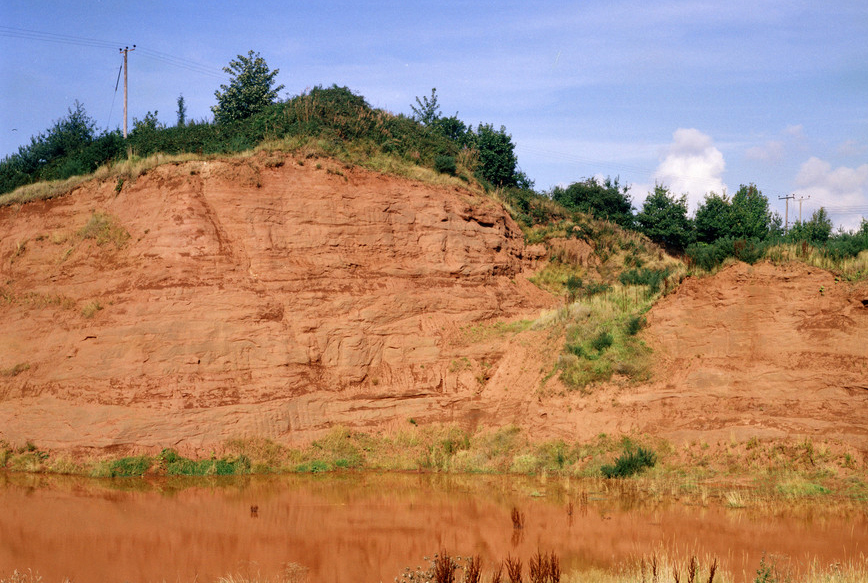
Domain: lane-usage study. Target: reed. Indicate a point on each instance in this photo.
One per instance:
(544, 568)
(517, 518)
(513, 569)
(473, 570)
(444, 568)
(497, 576)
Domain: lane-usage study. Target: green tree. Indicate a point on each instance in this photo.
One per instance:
(428, 110)
(816, 231)
(605, 200)
(664, 219)
(249, 91)
(182, 111)
(452, 128)
(751, 217)
(713, 218)
(64, 150)
(497, 159)
(150, 123)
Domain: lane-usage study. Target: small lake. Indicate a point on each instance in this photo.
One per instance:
(368, 527)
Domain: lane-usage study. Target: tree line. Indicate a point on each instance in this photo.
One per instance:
(741, 226)
(248, 112)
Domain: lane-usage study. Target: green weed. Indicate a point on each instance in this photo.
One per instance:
(130, 466)
(631, 461)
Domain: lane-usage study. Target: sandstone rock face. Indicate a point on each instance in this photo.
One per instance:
(754, 351)
(278, 297)
(254, 296)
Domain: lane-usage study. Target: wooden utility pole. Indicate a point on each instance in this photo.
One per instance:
(126, 50)
(787, 211)
(801, 198)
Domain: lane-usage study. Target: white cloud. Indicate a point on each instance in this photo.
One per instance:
(792, 138)
(843, 191)
(852, 148)
(771, 151)
(693, 166)
(796, 132)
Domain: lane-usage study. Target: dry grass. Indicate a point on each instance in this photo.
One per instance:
(513, 569)
(14, 371)
(852, 268)
(128, 170)
(662, 568)
(90, 309)
(103, 229)
(37, 300)
(292, 573)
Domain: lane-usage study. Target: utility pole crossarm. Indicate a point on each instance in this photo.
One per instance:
(801, 198)
(125, 50)
(787, 211)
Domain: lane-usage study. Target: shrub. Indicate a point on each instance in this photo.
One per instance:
(602, 341)
(645, 276)
(445, 165)
(314, 467)
(177, 465)
(634, 324)
(708, 256)
(574, 285)
(130, 466)
(630, 462)
(594, 288)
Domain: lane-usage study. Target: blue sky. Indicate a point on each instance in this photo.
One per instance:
(699, 96)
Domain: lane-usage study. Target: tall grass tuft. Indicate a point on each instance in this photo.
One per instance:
(630, 462)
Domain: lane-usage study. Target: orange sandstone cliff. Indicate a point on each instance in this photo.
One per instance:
(266, 298)
(276, 297)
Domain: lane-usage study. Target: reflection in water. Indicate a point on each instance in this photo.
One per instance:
(368, 527)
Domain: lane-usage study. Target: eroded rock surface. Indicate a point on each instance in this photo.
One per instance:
(268, 297)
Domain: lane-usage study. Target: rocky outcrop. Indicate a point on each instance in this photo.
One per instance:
(276, 297)
(269, 295)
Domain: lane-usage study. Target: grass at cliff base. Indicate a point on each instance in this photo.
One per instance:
(751, 473)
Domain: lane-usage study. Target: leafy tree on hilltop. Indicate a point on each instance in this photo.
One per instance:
(182, 111)
(249, 92)
(664, 219)
(428, 110)
(69, 147)
(713, 219)
(497, 160)
(751, 217)
(816, 231)
(69, 134)
(605, 200)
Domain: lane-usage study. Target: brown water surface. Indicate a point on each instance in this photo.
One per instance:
(368, 527)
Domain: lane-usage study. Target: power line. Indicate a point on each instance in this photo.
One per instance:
(182, 63)
(23, 33)
(114, 96)
(152, 54)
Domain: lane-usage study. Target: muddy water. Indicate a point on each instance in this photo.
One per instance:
(368, 528)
